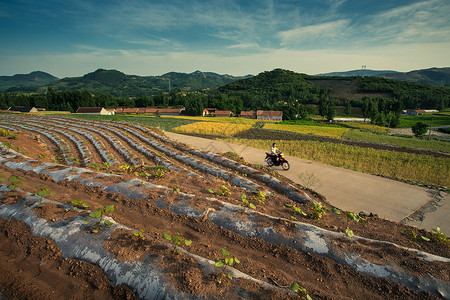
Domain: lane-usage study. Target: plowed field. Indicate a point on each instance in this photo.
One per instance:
(87, 208)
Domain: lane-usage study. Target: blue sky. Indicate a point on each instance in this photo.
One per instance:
(151, 37)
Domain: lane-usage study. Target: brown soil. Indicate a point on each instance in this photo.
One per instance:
(30, 264)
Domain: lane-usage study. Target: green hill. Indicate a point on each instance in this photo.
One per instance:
(119, 84)
(26, 82)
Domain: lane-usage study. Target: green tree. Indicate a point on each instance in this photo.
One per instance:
(348, 108)
(420, 128)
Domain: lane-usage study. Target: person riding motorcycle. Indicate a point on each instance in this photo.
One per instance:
(274, 151)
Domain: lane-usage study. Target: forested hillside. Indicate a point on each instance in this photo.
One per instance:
(26, 82)
(118, 84)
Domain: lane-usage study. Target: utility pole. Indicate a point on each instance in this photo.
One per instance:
(363, 68)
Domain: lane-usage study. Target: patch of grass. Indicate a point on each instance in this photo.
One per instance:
(438, 120)
(336, 132)
(411, 142)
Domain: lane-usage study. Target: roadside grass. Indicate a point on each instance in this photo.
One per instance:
(214, 128)
(336, 132)
(424, 169)
(407, 142)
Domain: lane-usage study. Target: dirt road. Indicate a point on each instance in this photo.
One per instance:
(350, 190)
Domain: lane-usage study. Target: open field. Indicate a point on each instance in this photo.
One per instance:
(214, 128)
(117, 210)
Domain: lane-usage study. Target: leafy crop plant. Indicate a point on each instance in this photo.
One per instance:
(222, 263)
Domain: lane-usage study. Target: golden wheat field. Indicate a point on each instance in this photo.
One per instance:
(215, 128)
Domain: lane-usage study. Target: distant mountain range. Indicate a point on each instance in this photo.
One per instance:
(119, 84)
(433, 76)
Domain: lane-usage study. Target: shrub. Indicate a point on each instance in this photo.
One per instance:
(420, 128)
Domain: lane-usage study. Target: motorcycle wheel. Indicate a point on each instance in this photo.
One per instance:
(285, 165)
(269, 162)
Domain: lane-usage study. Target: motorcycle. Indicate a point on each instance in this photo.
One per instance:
(277, 160)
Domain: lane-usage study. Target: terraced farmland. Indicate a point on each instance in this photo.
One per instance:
(118, 210)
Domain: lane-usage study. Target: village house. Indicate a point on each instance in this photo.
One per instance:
(209, 111)
(170, 111)
(222, 113)
(92, 110)
(251, 114)
(271, 116)
(23, 109)
(413, 112)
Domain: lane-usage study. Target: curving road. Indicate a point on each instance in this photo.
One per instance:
(350, 190)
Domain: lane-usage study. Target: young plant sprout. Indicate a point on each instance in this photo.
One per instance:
(244, 199)
(349, 216)
(76, 203)
(176, 240)
(140, 234)
(319, 211)
(295, 210)
(222, 264)
(99, 213)
(42, 192)
(301, 291)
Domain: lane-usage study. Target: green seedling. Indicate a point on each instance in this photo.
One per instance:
(41, 156)
(42, 192)
(319, 211)
(224, 191)
(95, 166)
(159, 173)
(301, 291)
(5, 132)
(260, 196)
(75, 160)
(77, 203)
(413, 237)
(439, 236)
(244, 199)
(13, 137)
(176, 189)
(176, 240)
(222, 264)
(143, 174)
(295, 210)
(106, 165)
(99, 213)
(58, 159)
(349, 216)
(14, 181)
(140, 234)
(126, 168)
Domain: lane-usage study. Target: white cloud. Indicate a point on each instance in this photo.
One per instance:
(320, 32)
